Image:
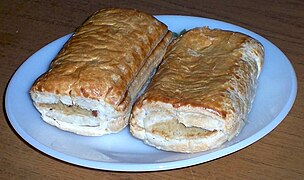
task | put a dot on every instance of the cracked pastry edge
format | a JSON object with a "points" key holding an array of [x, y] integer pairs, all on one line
{"points": [[213, 131]]}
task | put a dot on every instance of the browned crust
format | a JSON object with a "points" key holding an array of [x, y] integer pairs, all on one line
{"points": [[205, 68], [102, 58], [145, 72]]}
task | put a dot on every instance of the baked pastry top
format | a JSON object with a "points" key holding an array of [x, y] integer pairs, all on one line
{"points": [[103, 56], [92, 83], [202, 93], [204, 69]]}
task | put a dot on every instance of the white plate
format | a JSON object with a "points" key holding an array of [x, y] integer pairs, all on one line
{"points": [[121, 152]]}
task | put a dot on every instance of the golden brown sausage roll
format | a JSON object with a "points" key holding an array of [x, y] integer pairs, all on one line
{"points": [[93, 81], [202, 92]]}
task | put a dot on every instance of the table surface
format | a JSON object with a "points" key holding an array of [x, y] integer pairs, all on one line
{"points": [[26, 26]]}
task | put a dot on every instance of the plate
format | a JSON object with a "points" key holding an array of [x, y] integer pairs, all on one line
{"points": [[121, 152]]}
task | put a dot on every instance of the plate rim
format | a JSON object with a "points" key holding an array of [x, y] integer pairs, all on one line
{"points": [[142, 167]]}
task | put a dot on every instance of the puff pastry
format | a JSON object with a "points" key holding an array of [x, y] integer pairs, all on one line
{"points": [[93, 81], [202, 93]]}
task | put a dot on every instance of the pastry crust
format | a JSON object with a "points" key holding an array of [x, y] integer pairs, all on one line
{"points": [[207, 81], [98, 71]]}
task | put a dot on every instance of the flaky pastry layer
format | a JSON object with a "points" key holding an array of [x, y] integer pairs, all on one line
{"points": [[208, 81], [100, 70]]}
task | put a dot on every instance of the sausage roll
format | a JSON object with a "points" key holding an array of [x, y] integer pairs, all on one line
{"points": [[92, 83], [202, 93]]}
